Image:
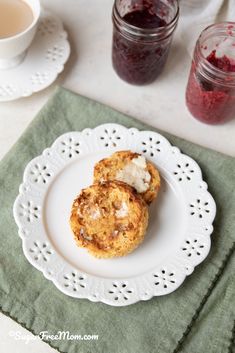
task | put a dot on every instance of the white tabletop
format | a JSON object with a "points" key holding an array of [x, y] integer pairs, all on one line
{"points": [[89, 72]]}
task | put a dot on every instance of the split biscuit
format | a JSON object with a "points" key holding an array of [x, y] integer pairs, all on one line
{"points": [[109, 219], [133, 169]]}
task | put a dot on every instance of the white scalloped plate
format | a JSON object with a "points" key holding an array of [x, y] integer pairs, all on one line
{"points": [[42, 64], [178, 236]]}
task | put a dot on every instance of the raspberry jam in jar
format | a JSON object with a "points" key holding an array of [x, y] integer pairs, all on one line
{"points": [[142, 34], [210, 93]]}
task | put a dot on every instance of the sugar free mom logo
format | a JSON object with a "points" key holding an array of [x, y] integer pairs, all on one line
{"points": [[47, 336]]}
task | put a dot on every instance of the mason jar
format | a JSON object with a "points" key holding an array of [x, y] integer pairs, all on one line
{"points": [[210, 93], [142, 35]]}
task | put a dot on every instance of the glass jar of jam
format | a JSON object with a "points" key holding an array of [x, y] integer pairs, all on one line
{"points": [[210, 93], [142, 35]]}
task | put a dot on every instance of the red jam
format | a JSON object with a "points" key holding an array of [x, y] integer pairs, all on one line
{"points": [[223, 63], [209, 102], [137, 58]]}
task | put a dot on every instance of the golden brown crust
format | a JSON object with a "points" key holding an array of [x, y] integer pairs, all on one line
{"points": [[109, 219], [107, 169]]}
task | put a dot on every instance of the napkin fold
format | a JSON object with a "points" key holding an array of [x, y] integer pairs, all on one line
{"points": [[197, 318]]}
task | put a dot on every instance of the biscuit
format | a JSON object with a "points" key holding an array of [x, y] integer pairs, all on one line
{"points": [[109, 219], [133, 169]]}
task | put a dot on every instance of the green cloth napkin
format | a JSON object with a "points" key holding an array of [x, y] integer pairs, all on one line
{"points": [[196, 318]]}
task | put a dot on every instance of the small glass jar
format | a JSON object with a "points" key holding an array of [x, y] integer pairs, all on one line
{"points": [[142, 34], [210, 93]]}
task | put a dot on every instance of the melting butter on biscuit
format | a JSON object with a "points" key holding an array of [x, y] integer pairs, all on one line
{"points": [[123, 211], [135, 174]]}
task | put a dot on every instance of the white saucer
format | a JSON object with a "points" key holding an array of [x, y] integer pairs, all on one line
{"points": [[43, 62]]}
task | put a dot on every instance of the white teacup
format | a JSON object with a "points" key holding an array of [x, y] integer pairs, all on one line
{"points": [[13, 49]]}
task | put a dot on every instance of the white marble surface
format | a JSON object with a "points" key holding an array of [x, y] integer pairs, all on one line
{"points": [[89, 72]]}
